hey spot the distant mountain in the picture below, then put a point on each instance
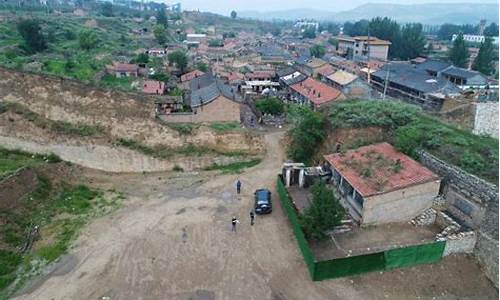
(428, 13)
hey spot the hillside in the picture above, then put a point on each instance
(430, 13)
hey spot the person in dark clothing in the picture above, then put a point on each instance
(252, 218)
(238, 186)
(234, 221)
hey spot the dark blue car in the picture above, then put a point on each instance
(263, 204)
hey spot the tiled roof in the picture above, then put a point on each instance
(153, 87)
(191, 75)
(383, 177)
(293, 78)
(326, 70)
(206, 88)
(317, 92)
(260, 74)
(122, 67)
(342, 77)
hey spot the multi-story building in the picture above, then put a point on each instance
(363, 46)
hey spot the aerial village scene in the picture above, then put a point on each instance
(281, 150)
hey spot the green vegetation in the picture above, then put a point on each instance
(111, 81)
(88, 39)
(309, 33)
(221, 127)
(215, 43)
(160, 34)
(459, 54)
(178, 58)
(235, 167)
(409, 129)
(60, 127)
(164, 152)
(324, 213)
(306, 134)
(57, 208)
(233, 14)
(31, 32)
(485, 60)
(317, 51)
(183, 128)
(270, 105)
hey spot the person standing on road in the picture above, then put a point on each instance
(238, 186)
(234, 221)
(252, 218)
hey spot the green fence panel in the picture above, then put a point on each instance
(348, 266)
(414, 255)
(286, 203)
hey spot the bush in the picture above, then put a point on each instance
(324, 213)
(306, 134)
(87, 39)
(272, 106)
(160, 77)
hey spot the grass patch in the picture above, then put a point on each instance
(113, 82)
(221, 127)
(183, 128)
(13, 160)
(235, 167)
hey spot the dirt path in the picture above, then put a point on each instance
(173, 241)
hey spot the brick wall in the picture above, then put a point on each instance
(486, 119)
(220, 109)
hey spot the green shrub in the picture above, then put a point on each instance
(306, 134)
(272, 106)
(222, 127)
(177, 168)
(235, 167)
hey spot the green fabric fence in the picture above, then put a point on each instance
(286, 203)
(348, 266)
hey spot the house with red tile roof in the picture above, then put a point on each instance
(191, 75)
(314, 93)
(153, 87)
(380, 185)
(122, 69)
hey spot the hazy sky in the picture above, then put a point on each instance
(225, 6)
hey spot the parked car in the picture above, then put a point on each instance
(263, 204)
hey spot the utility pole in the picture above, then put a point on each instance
(368, 45)
(386, 81)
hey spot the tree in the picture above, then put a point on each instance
(87, 39)
(160, 34)
(178, 58)
(31, 32)
(309, 33)
(142, 58)
(107, 9)
(324, 213)
(485, 59)
(412, 42)
(358, 28)
(459, 54)
(333, 28)
(215, 43)
(202, 66)
(389, 30)
(317, 51)
(233, 14)
(447, 30)
(306, 134)
(161, 18)
(270, 105)
(491, 30)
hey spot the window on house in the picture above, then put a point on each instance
(358, 199)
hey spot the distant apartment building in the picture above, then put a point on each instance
(363, 46)
(472, 38)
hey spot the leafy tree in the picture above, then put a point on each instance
(271, 105)
(142, 58)
(317, 51)
(485, 59)
(358, 28)
(160, 77)
(333, 42)
(324, 213)
(160, 34)
(107, 9)
(333, 28)
(459, 54)
(87, 39)
(230, 34)
(446, 31)
(31, 32)
(215, 43)
(178, 58)
(202, 66)
(69, 65)
(491, 30)
(306, 134)
(309, 33)
(233, 14)
(161, 18)
(412, 42)
(69, 35)
(275, 29)
(389, 30)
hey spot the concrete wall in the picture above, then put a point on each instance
(462, 242)
(486, 119)
(220, 109)
(401, 205)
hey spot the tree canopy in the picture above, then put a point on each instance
(306, 134)
(485, 59)
(412, 42)
(107, 9)
(234, 14)
(271, 105)
(178, 58)
(31, 32)
(161, 18)
(87, 39)
(324, 214)
(459, 54)
(491, 30)
(309, 33)
(317, 51)
(160, 34)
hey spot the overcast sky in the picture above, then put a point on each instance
(225, 6)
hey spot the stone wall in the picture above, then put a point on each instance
(486, 119)
(474, 202)
(462, 242)
(220, 109)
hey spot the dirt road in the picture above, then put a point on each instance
(172, 240)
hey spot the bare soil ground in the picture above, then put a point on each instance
(172, 240)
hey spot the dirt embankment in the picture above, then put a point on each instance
(121, 114)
